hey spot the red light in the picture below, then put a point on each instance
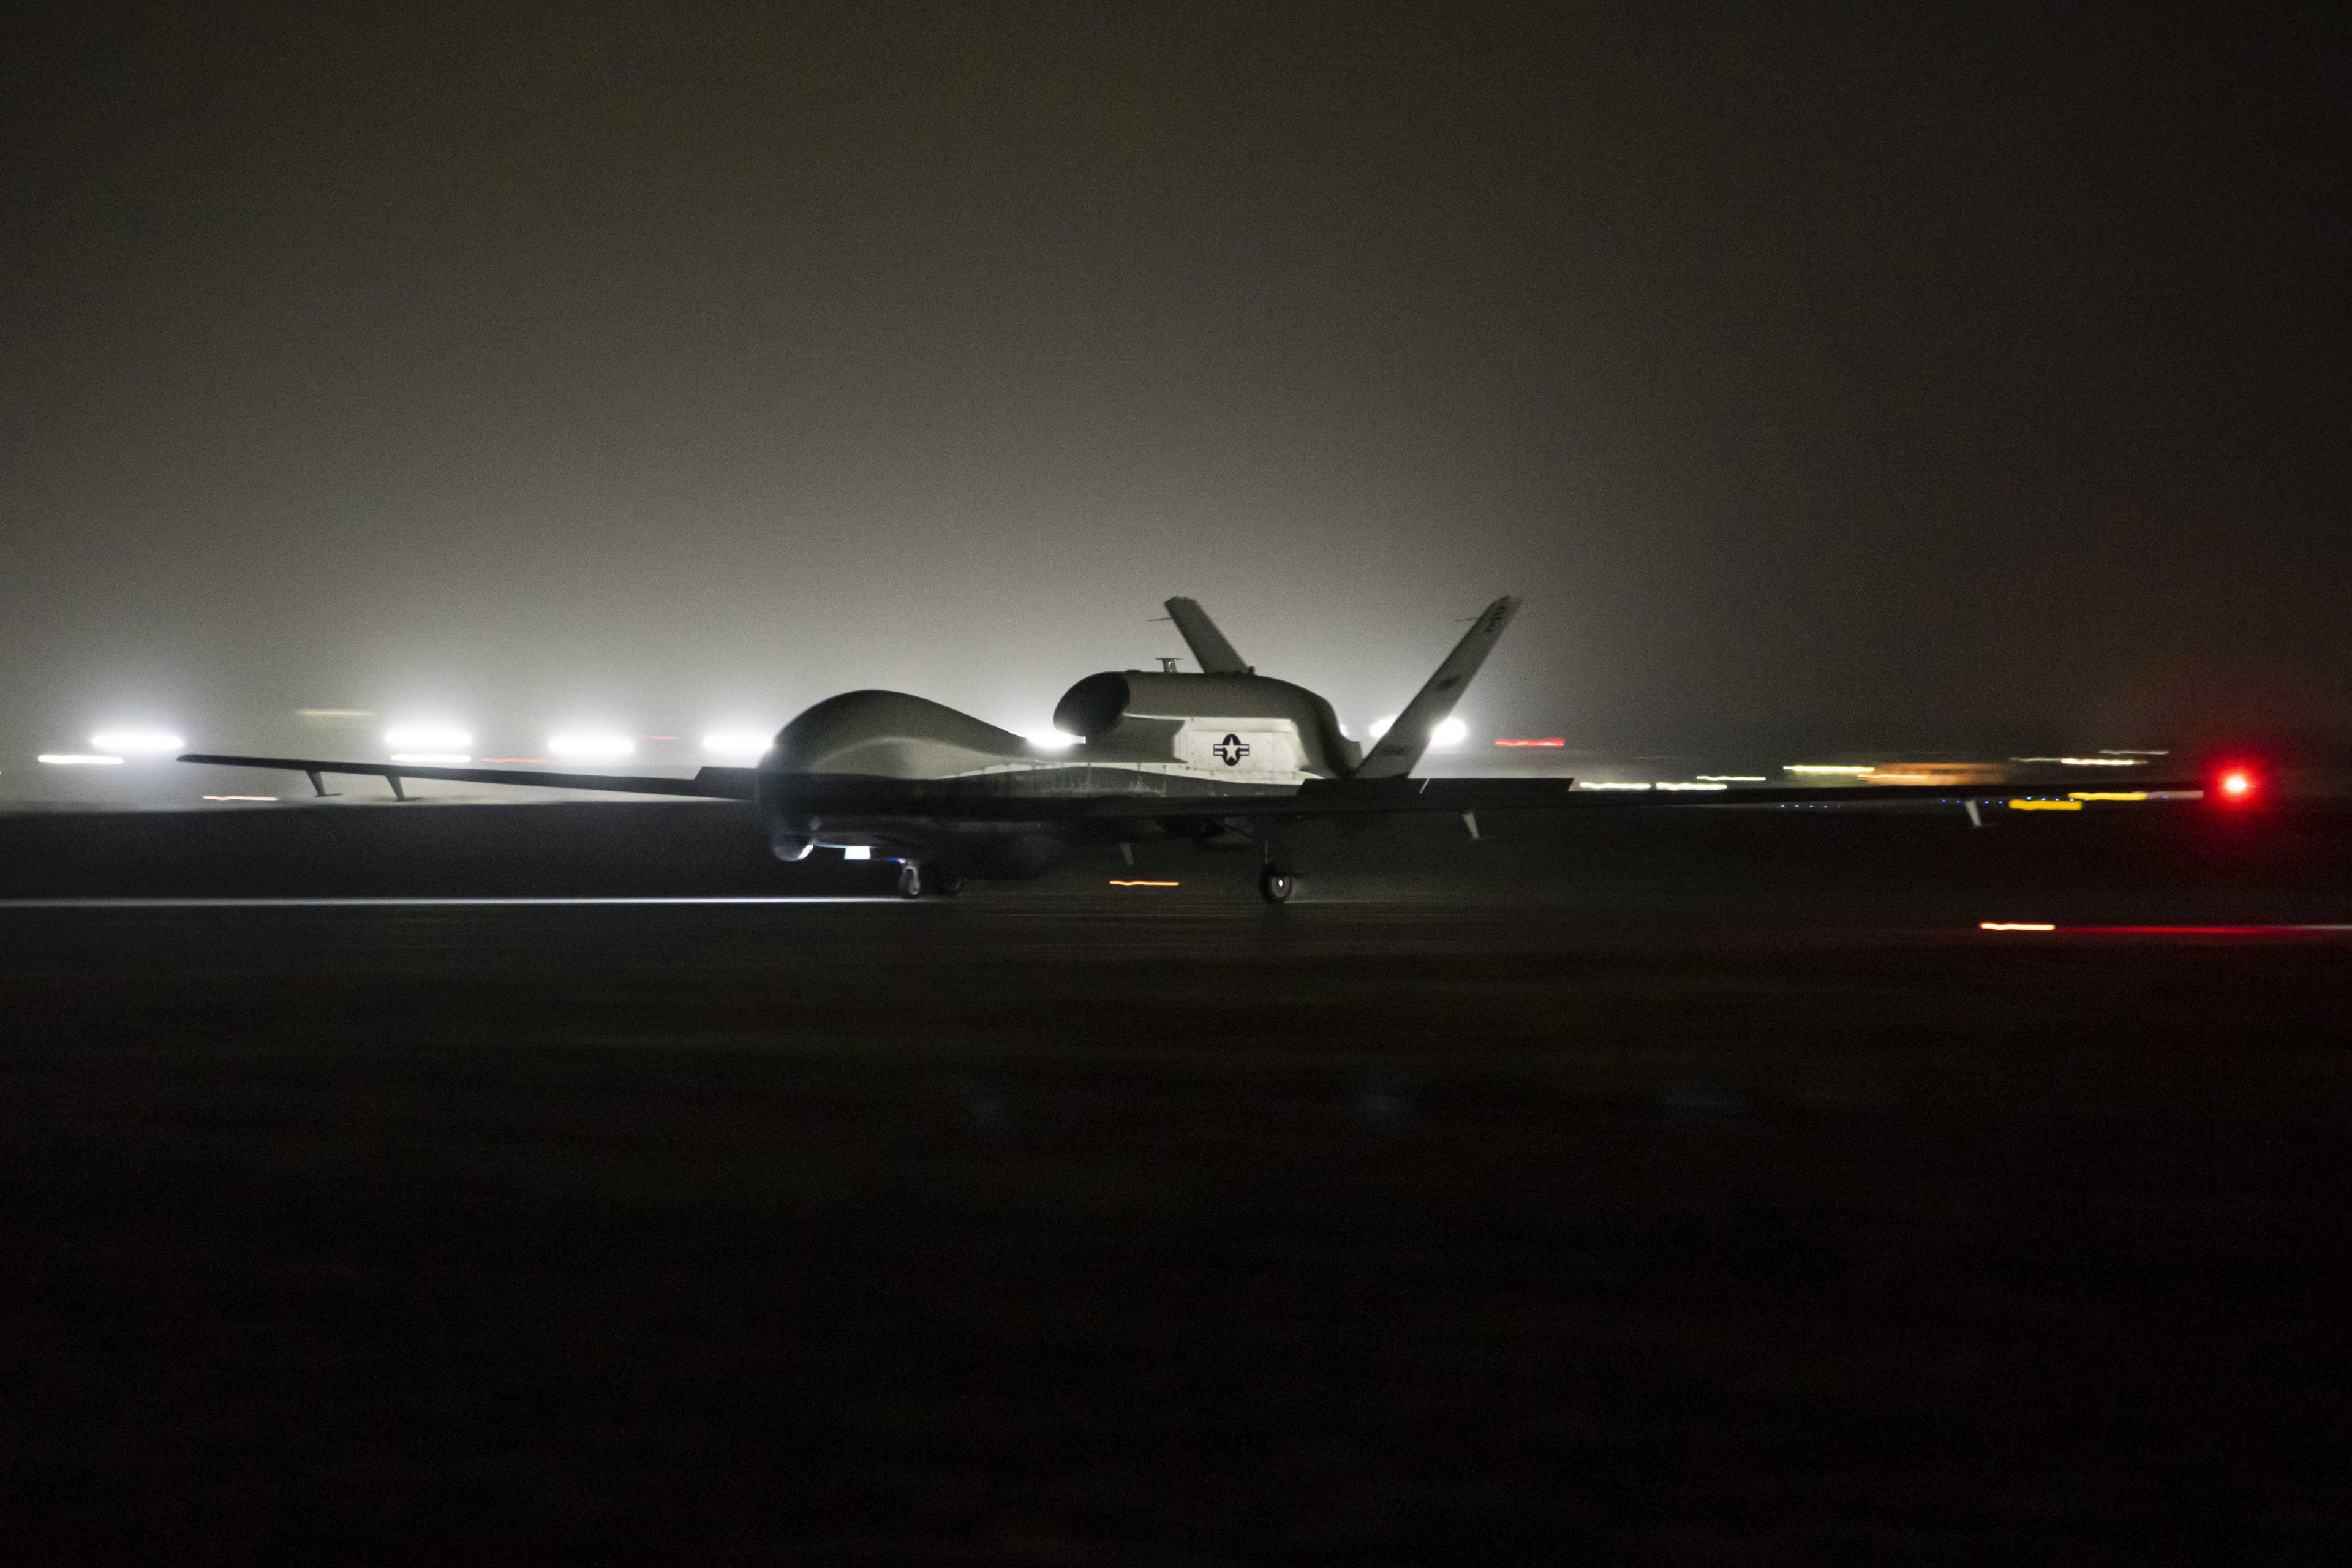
(2235, 784)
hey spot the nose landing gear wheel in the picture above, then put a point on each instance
(910, 880)
(1273, 885)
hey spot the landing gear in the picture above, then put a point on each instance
(1274, 876)
(914, 881)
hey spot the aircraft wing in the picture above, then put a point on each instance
(952, 801)
(840, 795)
(1360, 796)
(711, 784)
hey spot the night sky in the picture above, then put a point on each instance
(1903, 376)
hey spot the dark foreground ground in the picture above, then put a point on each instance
(1601, 1191)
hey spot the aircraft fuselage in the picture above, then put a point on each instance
(1136, 732)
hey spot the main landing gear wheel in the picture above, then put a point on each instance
(946, 884)
(910, 880)
(1273, 885)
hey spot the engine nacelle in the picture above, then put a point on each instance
(1098, 706)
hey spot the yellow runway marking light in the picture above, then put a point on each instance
(2045, 805)
(2107, 794)
(1116, 883)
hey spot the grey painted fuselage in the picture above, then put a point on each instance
(1135, 733)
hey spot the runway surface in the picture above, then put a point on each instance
(1723, 1204)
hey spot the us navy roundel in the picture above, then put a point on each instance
(1253, 751)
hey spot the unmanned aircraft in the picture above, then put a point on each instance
(1223, 755)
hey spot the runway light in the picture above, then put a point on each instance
(591, 746)
(1552, 743)
(1733, 778)
(2087, 762)
(857, 852)
(240, 797)
(137, 742)
(1116, 883)
(1452, 733)
(736, 743)
(427, 738)
(1827, 768)
(2238, 785)
(433, 759)
(78, 759)
(2014, 925)
(1601, 783)
(1708, 784)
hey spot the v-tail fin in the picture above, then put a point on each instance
(1394, 753)
(1214, 655)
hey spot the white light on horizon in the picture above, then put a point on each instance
(76, 760)
(736, 743)
(591, 746)
(137, 742)
(428, 738)
(1050, 739)
(1451, 732)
